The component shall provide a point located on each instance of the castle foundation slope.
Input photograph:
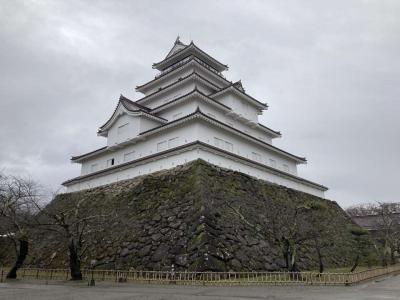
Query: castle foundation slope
(197, 217)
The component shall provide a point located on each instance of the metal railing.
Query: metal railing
(208, 278)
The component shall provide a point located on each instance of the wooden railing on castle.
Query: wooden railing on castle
(208, 278)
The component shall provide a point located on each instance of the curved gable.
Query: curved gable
(131, 108)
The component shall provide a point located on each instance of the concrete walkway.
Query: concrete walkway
(386, 288)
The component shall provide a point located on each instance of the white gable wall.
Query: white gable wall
(124, 128)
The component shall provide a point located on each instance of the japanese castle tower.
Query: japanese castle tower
(189, 111)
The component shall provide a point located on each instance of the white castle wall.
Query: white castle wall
(185, 71)
(194, 130)
(184, 157)
(257, 160)
(175, 92)
(187, 107)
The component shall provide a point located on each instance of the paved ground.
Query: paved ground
(387, 288)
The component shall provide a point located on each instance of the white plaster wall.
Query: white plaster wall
(188, 69)
(176, 92)
(167, 80)
(143, 148)
(184, 157)
(136, 170)
(239, 106)
(189, 106)
(189, 132)
(179, 110)
(146, 123)
(245, 148)
(131, 130)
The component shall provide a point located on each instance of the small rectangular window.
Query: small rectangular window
(94, 167)
(162, 146)
(176, 116)
(173, 142)
(256, 156)
(123, 128)
(228, 146)
(176, 95)
(218, 142)
(129, 156)
(272, 163)
(110, 162)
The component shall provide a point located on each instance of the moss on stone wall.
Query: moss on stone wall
(197, 217)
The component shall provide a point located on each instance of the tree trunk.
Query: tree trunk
(321, 263)
(292, 259)
(392, 257)
(74, 261)
(21, 255)
(355, 263)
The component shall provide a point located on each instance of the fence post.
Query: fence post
(2, 274)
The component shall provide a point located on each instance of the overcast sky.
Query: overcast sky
(329, 71)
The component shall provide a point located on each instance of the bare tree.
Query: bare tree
(383, 221)
(292, 225)
(388, 230)
(19, 202)
(364, 209)
(76, 224)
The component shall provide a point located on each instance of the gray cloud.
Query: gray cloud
(329, 71)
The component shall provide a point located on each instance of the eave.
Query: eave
(199, 114)
(191, 61)
(191, 49)
(189, 95)
(269, 130)
(272, 133)
(193, 76)
(79, 158)
(233, 89)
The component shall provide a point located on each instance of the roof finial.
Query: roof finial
(177, 41)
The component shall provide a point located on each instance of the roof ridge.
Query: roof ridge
(232, 85)
(141, 108)
(191, 45)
